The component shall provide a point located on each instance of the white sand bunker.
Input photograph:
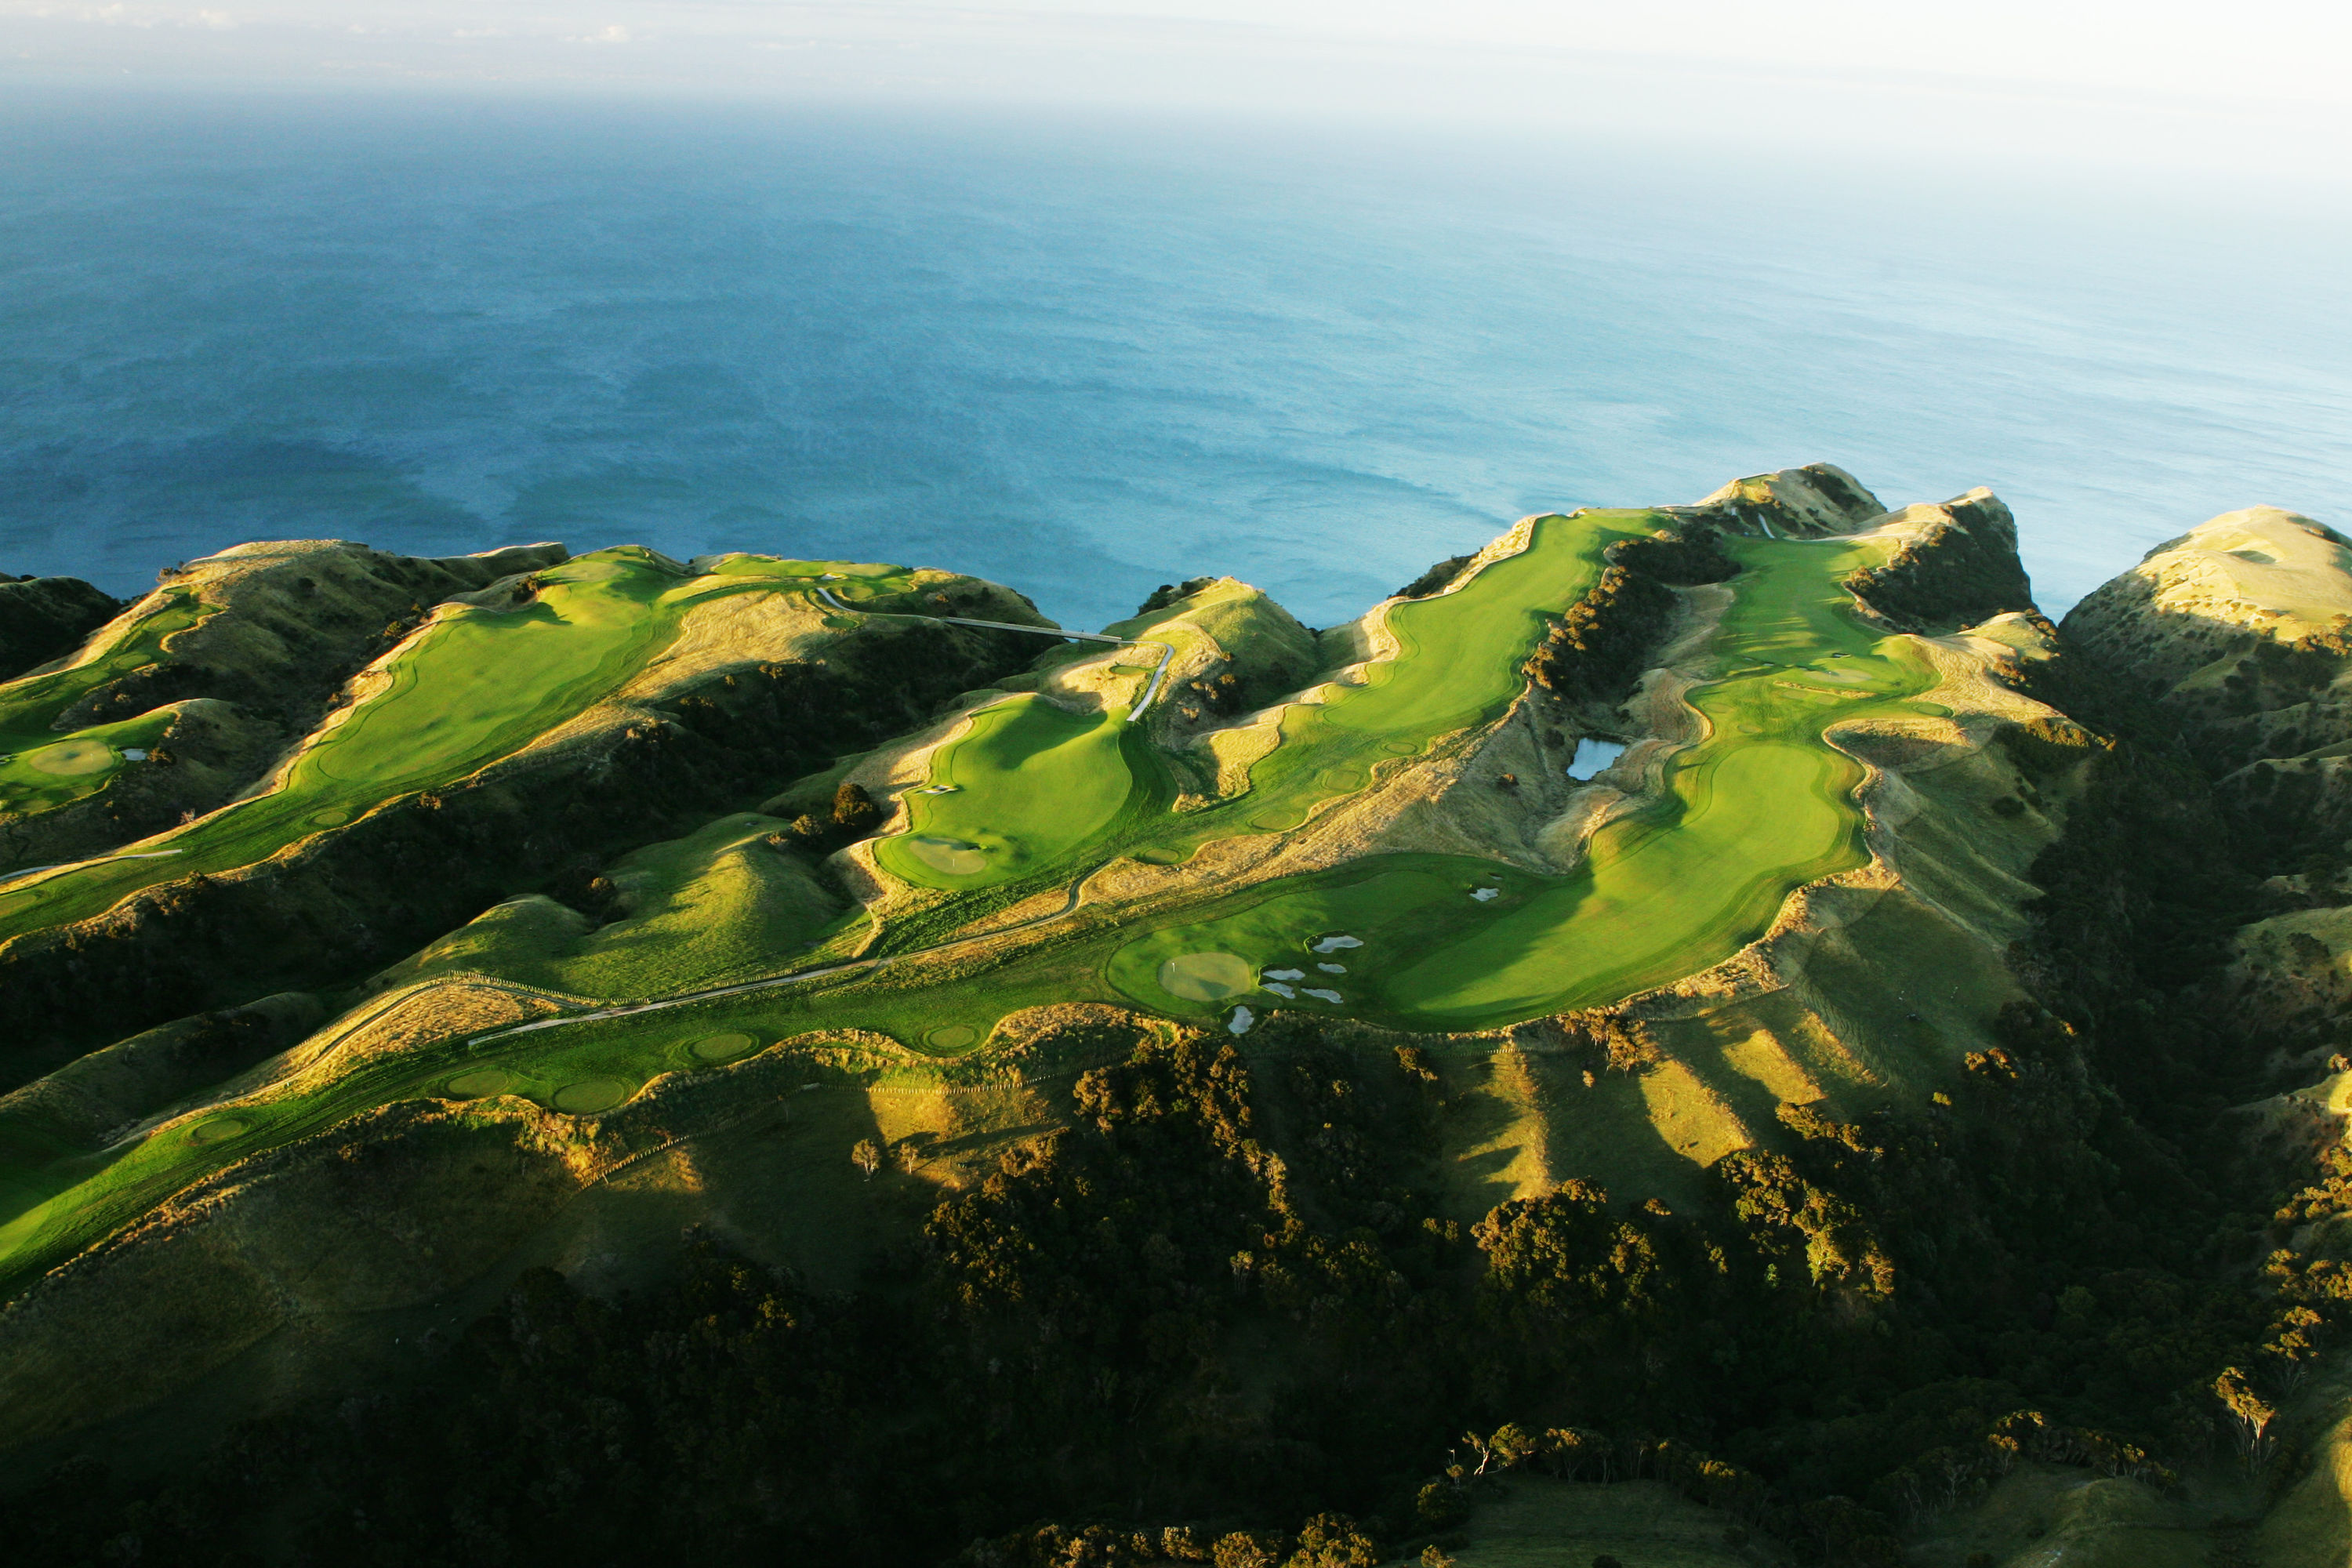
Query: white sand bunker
(1321, 995)
(1241, 1021)
(1279, 989)
(1334, 943)
(72, 757)
(951, 856)
(1207, 976)
(1286, 974)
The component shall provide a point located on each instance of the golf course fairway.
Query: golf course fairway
(471, 687)
(1763, 805)
(715, 960)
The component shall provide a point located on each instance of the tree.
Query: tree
(866, 1156)
(2252, 1411)
(854, 810)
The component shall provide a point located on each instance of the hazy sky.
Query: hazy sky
(2253, 86)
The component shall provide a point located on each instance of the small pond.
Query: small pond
(1593, 757)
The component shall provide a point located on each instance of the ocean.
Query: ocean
(1086, 356)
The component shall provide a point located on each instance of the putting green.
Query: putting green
(480, 1084)
(590, 1095)
(953, 1037)
(1033, 783)
(948, 856)
(722, 1047)
(218, 1129)
(1206, 976)
(334, 816)
(72, 757)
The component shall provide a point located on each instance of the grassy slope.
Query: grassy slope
(470, 687)
(1034, 784)
(714, 906)
(1765, 786)
(29, 705)
(1762, 805)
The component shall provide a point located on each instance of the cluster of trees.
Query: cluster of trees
(854, 814)
(1600, 648)
(1224, 1317)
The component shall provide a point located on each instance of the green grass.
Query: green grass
(1034, 784)
(718, 906)
(471, 687)
(1762, 806)
(1459, 663)
(31, 704)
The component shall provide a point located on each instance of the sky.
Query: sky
(2257, 89)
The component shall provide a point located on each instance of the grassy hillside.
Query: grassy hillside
(1232, 1029)
(1029, 795)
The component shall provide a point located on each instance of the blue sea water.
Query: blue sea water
(1086, 357)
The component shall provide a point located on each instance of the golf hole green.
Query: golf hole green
(333, 816)
(1277, 821)
(951, 856)
(1339, 778)
(1937, 709)
(721, 1047)
(480, 1083)
(72, 757)
(1207, 976)
(590, 1095)
(1159, 856)
(218, 1128)
(953, 1037)
(1399, 748)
